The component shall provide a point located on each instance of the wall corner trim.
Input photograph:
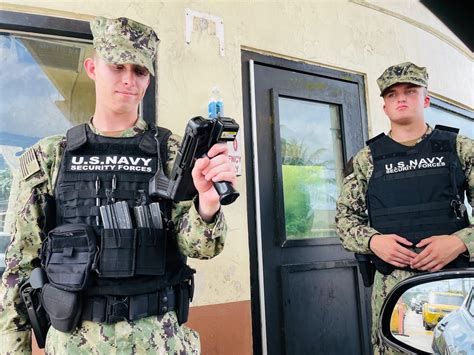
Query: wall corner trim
(461, 48)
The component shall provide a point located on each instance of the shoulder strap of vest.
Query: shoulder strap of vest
(447, 128)
(148, 142)
(163, 135)
(376, 138)
(76, 137)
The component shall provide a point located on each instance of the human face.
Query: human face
(404, 103)
(119, 87)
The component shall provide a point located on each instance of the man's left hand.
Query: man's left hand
(215, 167)
(439, 250)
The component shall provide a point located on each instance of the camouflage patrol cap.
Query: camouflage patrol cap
(402, 73)
(124, 41)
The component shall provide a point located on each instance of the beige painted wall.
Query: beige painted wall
(356, 36)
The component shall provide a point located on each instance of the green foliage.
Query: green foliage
(305, 186)
(299, 213)
(5, 182)
(298, 153)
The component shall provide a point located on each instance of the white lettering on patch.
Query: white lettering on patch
(414, 164)
(87, 163)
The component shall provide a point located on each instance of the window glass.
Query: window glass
(311, 153)
(438, 115)
(44, 91)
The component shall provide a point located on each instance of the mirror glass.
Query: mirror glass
(436, 316)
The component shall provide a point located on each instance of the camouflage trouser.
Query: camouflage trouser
(152, 335)
(383, 284)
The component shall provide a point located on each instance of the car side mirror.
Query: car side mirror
(418, 313)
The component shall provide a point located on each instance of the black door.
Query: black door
(302, 124)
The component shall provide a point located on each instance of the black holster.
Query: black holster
(184, 296)
(30, 292)
(366, 269)
(381, 266)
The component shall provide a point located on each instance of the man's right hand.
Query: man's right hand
(389, 248)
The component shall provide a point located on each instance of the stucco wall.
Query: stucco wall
(355, 36)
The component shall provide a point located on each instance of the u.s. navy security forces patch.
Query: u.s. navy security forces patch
(126, 163)
(29, 164)
(415, 164)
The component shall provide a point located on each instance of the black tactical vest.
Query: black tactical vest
(417, 192)
(97, 170)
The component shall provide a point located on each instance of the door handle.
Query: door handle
(442, 326)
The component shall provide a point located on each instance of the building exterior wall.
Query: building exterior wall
(354, 36)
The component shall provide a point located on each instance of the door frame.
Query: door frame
(253, 206)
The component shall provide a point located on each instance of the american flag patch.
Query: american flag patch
(28, 164)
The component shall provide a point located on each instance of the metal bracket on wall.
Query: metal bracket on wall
(204, 22)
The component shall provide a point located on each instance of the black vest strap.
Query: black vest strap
(85, 194)
(163, 136)
(74, 177)
(76, 137)
(447, 128)
(111, 309)
(410, 209)
(83, 211)
(374, 139)
(147, 143)
(414, 223)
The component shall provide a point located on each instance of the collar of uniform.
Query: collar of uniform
(139, 127)
(427, 133)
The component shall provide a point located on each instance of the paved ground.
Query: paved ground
(415, 334)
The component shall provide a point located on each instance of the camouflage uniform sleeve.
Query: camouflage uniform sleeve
(196, 238)
(465, 149)
(22, 253)
(351, 215)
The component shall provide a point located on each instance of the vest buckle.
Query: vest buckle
(459, 209)
(117, 309)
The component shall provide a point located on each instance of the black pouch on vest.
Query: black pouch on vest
(151, 251)
(63, 307)
(68, 255)
(117, 253)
